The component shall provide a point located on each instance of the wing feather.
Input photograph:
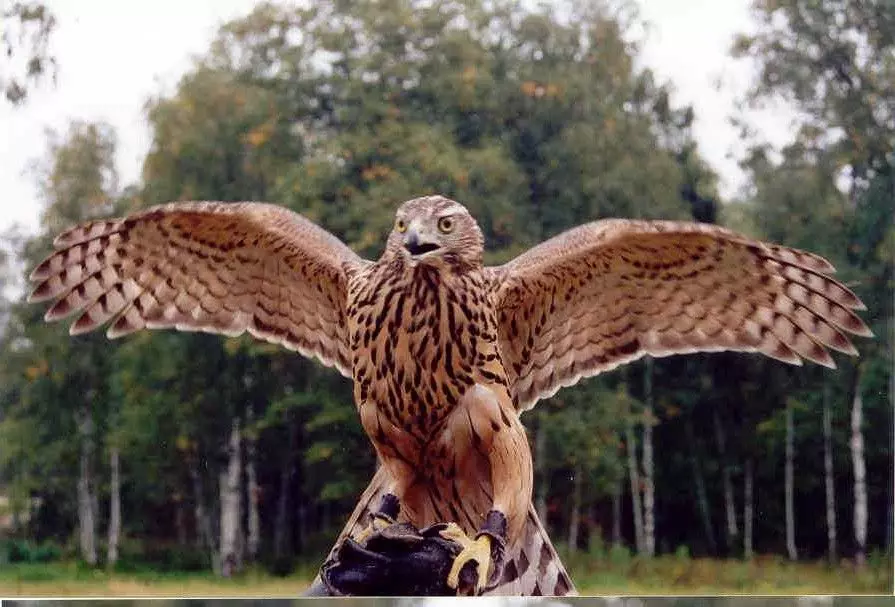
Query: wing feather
(609, 292)
(205, 266)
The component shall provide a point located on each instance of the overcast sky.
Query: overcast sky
(114, 55)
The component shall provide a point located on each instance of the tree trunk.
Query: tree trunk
(747, 510)
(114, 507)
(180, 523)
(617, 512)
(634, 476)
(649, 493)
(726, 481)
(203, 519)
(828, 476)
(540, 470)
(281, 532)
(789, 481)
(253, 491)
(860, 487)
(86, 498)
(575, 517)
(230, 505)
(699, 485)
(890, 515)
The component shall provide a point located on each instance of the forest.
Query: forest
(180, 451)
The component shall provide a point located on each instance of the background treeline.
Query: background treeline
(191, 450)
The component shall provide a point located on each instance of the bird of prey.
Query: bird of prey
(444, 352)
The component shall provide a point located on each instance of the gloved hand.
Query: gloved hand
(398, 560)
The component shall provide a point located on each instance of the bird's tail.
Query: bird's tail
(533, 567)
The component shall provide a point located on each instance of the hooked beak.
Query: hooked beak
(414, 246)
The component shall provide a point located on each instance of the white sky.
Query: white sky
(114, 55)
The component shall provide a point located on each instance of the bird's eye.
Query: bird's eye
(401, 226)
(445, 224)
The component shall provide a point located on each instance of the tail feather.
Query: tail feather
(534, 568)
(366, 504)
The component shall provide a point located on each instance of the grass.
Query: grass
(613, 574)
(69, 579)
(699, 576)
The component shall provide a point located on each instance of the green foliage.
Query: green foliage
(27, 551)
(834, 61)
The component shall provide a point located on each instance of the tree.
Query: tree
(26, 31)
(833, 61)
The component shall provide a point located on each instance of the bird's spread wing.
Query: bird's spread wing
(205, 266)
(609, 292)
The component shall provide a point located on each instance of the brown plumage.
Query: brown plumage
(444, 352)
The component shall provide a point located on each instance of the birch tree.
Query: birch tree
(86, 488)
(730, 515)
(829, 484)
(231, 493)
(789, 485)
(253, 489)
(649, 486)
(859, 471)
(114, 506)
(634, 478)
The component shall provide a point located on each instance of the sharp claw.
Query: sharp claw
(385, 516)
(378, 523)
(478, 551)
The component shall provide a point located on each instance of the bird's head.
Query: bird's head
(436, 231)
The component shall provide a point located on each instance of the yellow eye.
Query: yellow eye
(445, 224)
(401, 226)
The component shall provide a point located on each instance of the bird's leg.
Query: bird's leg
(497, 435)
(382, 518)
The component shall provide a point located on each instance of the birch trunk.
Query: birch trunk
(649, 493)
(203, 519)
(114, 508)
(86, 499)
(540, 472)
(575, 518)
(634, 476)
(230, 505)
(253, 491)
(747, 510)
(860, 486)
(829, 483)
(727, 481)
(789, 481)
(701, 495)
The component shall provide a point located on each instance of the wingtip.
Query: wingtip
(41, 271)
(827, 362)
(35, 296)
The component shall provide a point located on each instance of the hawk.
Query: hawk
(445, 352)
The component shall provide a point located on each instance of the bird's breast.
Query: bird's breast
(419, 341)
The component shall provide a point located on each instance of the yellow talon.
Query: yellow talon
(379, 522)
(478, 550)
